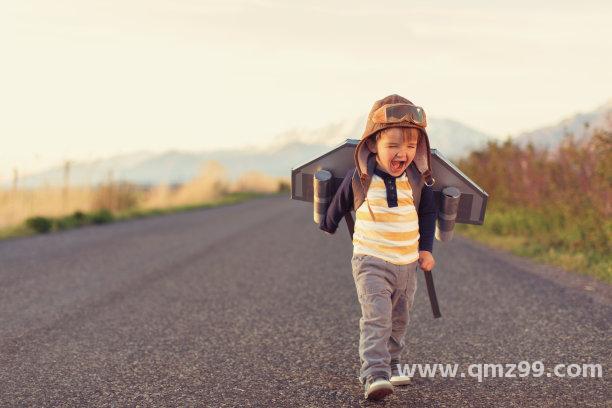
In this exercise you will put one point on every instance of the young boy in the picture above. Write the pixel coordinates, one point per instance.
(390, 191)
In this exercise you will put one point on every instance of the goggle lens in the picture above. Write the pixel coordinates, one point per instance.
(396, 113)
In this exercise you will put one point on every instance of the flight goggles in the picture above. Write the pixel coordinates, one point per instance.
(400, 112)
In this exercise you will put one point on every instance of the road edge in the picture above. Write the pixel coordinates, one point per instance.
(595, 289)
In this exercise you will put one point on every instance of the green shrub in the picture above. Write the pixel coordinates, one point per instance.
(39, 224)
(102, 216)
(77, 219)
(79, 216)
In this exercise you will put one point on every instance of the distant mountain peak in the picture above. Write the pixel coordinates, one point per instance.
(580, 125)
(330, 134)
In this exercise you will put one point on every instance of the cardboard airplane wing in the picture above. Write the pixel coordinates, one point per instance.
(339, 160)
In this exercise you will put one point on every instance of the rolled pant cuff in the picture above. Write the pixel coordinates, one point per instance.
(374, 374)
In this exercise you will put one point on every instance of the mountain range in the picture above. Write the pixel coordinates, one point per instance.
(294, 147)
(580, 126)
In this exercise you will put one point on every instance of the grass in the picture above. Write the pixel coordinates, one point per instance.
(231, 198)
(580, 244)
(29, 211)
(18, 204)
(552, 205)
(42, 225)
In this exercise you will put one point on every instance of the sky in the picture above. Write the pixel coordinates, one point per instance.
(85, 79)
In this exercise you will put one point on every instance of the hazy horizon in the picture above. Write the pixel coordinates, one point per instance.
(83, 80)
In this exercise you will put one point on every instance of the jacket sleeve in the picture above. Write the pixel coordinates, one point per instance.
(428, 213)
(341, 204)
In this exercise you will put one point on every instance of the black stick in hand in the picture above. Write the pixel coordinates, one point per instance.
(431, 290)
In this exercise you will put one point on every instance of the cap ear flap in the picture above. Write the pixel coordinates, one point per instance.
(370, 142)
(421, 156)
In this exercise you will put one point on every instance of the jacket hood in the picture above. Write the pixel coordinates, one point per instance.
(422, 158)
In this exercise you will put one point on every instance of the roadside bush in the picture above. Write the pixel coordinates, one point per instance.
(554, 205)
(102, 216)
(39, 224)
(74, 220)
(79, 216)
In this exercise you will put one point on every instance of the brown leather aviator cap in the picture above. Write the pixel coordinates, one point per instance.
(409, 116)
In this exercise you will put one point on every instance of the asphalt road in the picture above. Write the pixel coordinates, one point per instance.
(251, 305)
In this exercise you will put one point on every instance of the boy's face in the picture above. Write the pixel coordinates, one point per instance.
(395, 149)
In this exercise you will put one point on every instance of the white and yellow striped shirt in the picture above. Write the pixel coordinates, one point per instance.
(389, 233)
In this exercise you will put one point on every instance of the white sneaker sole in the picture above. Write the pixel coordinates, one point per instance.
(379, 391)
(400, 380)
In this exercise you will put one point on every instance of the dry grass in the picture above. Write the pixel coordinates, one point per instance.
(256, 182)
(17, 205)
(210, 184)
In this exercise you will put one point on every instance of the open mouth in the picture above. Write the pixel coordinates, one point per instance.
(397, 165)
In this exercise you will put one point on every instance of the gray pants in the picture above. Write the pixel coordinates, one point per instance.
(386, 294)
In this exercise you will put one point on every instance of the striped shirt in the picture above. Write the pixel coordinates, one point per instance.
(388, 232)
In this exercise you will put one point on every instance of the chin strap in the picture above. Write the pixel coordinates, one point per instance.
(371, 164)
(361, 178)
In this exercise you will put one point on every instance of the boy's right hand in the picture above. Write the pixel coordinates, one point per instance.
(426, 260)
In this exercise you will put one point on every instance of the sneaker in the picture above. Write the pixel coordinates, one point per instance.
(397, 378)
(377, 388)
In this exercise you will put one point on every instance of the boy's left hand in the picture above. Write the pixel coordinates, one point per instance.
(426, 260)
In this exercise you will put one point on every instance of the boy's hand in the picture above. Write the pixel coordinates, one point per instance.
(426, 260)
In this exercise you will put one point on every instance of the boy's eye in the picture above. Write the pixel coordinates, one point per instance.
(396, 146)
